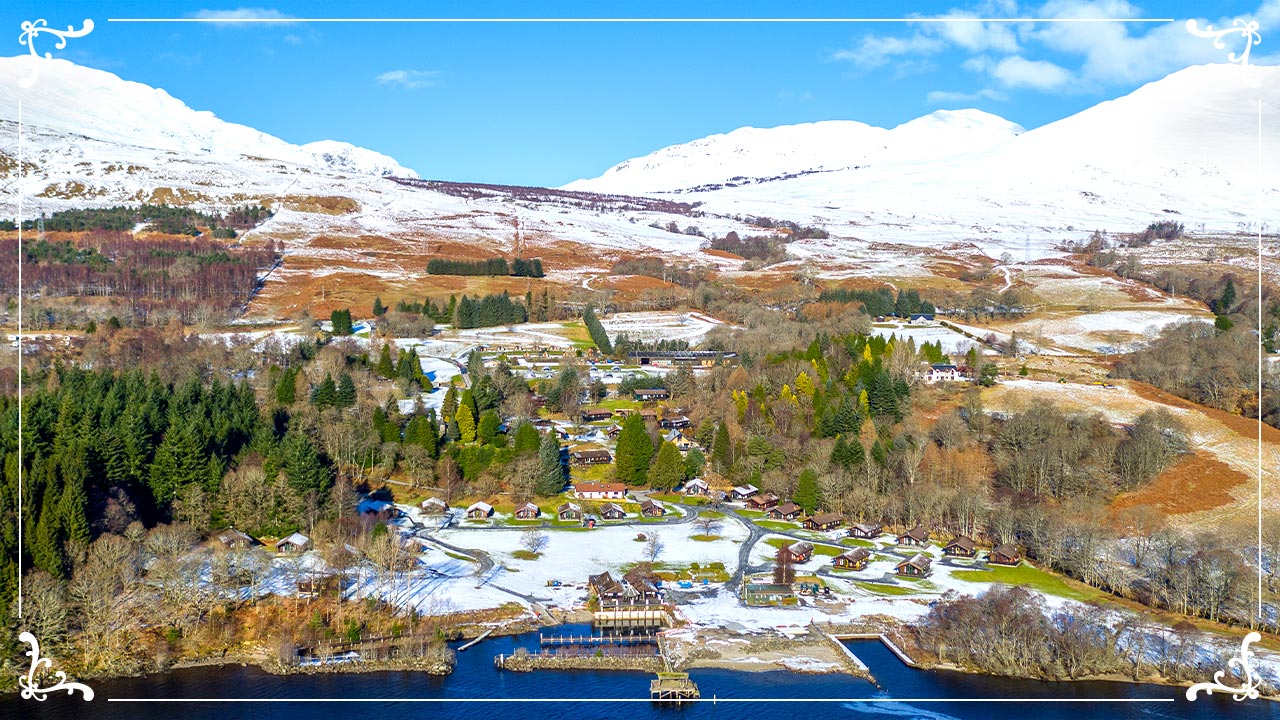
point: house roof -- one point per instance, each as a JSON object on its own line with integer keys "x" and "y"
{"x": 481, "y": 505}
{"x": 294, "y": 539}
{"x": 600, "y": 487}
{"x": 746, "y": 489}
{"x": 607, "y": 507}
{"x": 604, "y": 584}
{"x": 917, "y": 533}
{"x": 787, "y": 508}
{"x": 800, "y": 548}
{"x": 564, "y": 507}
{"x": 826, "y": 517}
{"x": 1006, "y": 550}
{"x": 962, "y": 542}
{"x": 529, "y": 506}
{"x": 919, "y": 560}
{"x": 435, "y": 501}
{"x": 696, "y": 482}
{"x": 855, "y": 555}
{"x": 869, "y": 527}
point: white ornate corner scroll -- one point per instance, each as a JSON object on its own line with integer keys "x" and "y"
{"x": 1247, "y": 29}
{"x": 1249, "y": 684}
{"x": 30, "y": 684}
{"x": 31, "y": 30}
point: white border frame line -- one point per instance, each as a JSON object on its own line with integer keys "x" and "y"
{"x": 840, "y": 21}
{"x": 238, "y": 21}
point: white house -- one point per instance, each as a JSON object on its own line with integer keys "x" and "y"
{"x": 942, "y": 372}
{"x": 480, "y": 510}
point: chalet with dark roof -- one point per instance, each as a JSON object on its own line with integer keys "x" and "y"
{"x": 763, "y": 502}
{"x": 1004, "y": 554}
{"x": 612, "y": 511}
{"x": 855, "y": 559}
{"x": 960, "y": 546}
{"x": 916, "y": 537}
{"x": 528, "y": 511}
{"x": 823, "y": 521}
{"x": 800, "y": 551}
{"x": 918, "y": 565}
{"x": 785, "y": 511}
{"x": 866, "y": 531}
{"x": 649, "y": 508}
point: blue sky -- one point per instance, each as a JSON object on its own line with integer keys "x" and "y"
{"x": 544, "y": 104}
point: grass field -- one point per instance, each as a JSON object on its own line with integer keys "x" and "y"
{"x": 828, "y": 550}
{"x": 1026, "y": 576}
{"x": 856, "y": 542}
{"x": 777, "y": 525}
{"x": 882, "y": 589}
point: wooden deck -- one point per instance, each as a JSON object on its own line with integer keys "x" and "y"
{"x": 673, "y": 687}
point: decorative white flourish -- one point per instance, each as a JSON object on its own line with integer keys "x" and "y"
{"x": 1249, "y": 685}
{"x": 31, "y": 685}
{"x": 31, "y": 30}
{"x": 1247, "y": 29}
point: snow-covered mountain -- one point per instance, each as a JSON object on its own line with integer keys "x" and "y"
{"x": 80, "y": 101}
{"x": 1184, "y": 147}
{"x": 755, "y": 154}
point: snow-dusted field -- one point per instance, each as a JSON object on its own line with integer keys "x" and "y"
{"x": 953, "y": 343}
{"x": 1109, "y": 331}
{"x": 654, "y": 326}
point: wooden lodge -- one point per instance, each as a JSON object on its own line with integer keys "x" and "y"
{"x": 785, "y": 511}
{"x": 673, "y": 422}
{"x": 528, "y": 511}
{"x": 823, "y": 521}
{"x": 649, "y": 508}
{"x": 434, "y": 506}
{"x": 296, "y": 542}
{"x": 866, "y": 531}
{"x": 642, "y": 584}
{"x": 696, "y": 487}
{"x": 855, "y": 559}
{"x": 569, "y": 511}
{"x": 917, "y": 536}
{"x": 743, "y": 492}
{"x": 1004, "y": 554}
{"x": 612, "y": 511}
{"x": 311, "y": 587}
{"x": 917, "y": 565}
{"x": 960, "y": 546}
{"x": 600, "y": 491}
{"x": 479, "y": 510}
{"x": 591, "y": 457}
{"x": 800, "y": 551}
{"x": 234, "y": 538}
{"x": 649, "y": 415}
{"x": 763, "y": 502}
{"x": 644, "y": 394}
{"x": 595, "y": 414}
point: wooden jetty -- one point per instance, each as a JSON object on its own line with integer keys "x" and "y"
{"x": 483, "y": 635}
{"x": 673, "y": 687}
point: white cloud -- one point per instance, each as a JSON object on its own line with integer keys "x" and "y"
{"x": 937, "y": 97}
{"x": 241, "y": 16}
{"x": 409, "y": 79}
{"x": 875, "y": 51}
{"x": 977, "y": 36}
{"x": 1016, "y": 71}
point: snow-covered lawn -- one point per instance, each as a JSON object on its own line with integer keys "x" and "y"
{"x": 653, "y": 326}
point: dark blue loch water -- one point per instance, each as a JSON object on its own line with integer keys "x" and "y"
{"x": 476, "y": 678}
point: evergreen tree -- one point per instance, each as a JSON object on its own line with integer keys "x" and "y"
{"x": 303, "y": 467}
{"x": 468, "y": 400}
{"x": 378, "y": 309}
{"x": 634, "y": 451}
{"x": 286, "y": 390}
{"x": 551, "y": 470}
{"x": 1227, "y": 301}
{"x": 384, "y": 367}
{"x": 341, "y": 320}
{"x": 720, "y": 451}
{"x": 346, "y": 395}
{"x": 326, "y": 393}
{"x": 807, "y": 494}
{"x": 667, "y": 469}
{"x": 527, "y": 439}
{"x": 694, "y": 461}
{"x": 450, "y": 405}
{"x": 466, "y": 424}
{"x": 487, "y": 428}
{"x": 596, "y": 330}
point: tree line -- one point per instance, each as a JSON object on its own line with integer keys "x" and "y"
{"x": 158, "y": 218}
{"x": 519, "y": 267}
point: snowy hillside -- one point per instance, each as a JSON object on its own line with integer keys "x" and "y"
{"x": 754, "y": 154}
{"x": 80, "y": 101}
{"x": 1184, "y": 147}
